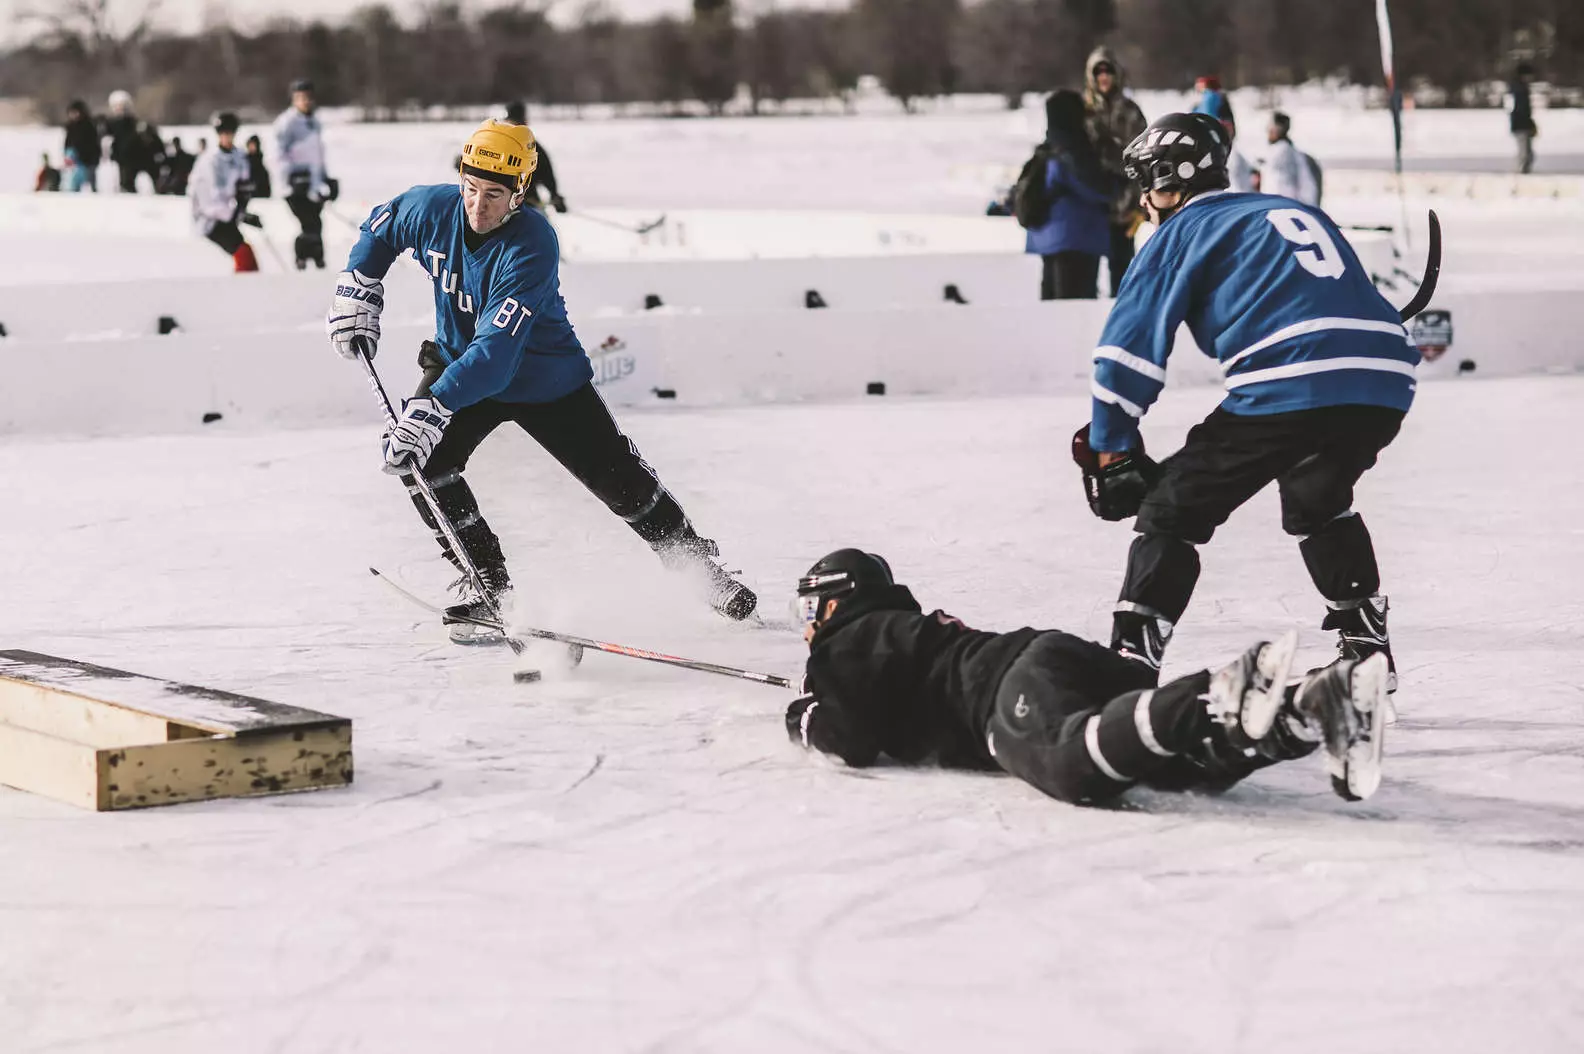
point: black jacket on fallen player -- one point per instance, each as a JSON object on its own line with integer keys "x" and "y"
{"x": 888, "y": 679}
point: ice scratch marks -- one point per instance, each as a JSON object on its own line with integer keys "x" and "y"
{"x": 599, "y": 760}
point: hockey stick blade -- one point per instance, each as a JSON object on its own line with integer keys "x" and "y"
{"x": 1432, "y": 272}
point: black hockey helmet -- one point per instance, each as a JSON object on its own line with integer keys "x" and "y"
{"x": 226, "y": 121}
{"x": 839, "y": 574}
{"x": 1180, "y": 151}
{"x": 301, "y": 84}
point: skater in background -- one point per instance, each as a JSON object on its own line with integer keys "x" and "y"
{"x": 300, "y": 163}
{"x": 82, "y": 151}
{"x": 1520, "y": 116}
{"x": 1287, "y": 171}
{"x": 48, "y": 177}
{"x": 1076, "y": 201}
{"x": 219, "y": 194}
{"x": 1114, "y": 121}
{"x": 544, "y": 178}
{"x": 1319, "y": 375}
{"x": 503, "y": 351}
{"x": 258, "y": 171}
{"x": 135, "y": 144}
{"x": 1066, "y": 715}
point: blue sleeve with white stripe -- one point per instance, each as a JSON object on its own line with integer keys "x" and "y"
{"x": 1130, "y": 363}
{"x": 382, "y": 238}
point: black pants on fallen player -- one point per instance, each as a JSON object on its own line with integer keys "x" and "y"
{"x": 1083, "y": 724}
{"x": 579, "y": 432}
{"x": 1315, "y": 457}
{"x": 309, "y": 245}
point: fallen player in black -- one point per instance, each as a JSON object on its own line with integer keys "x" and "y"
{"x": 1067, "y": 715}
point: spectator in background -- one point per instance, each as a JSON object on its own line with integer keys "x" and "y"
{"x": 1114, "y": 121}
{"x": 1077, "y": 233}
{"x": 544, "y": 174}
{"x": 258, "y": 171}
{"x": 135, "y": 145}
{"x": 48, "y": 178}
{"x": 1214, "y": 101}
{"x": 83, "y": 152}
{"x": 1520, "y": 112}
{"x": 178, "y": 169}
{"x": 1287, "y": 171}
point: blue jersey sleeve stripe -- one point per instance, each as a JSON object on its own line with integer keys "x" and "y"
{"x": 1315, "y": 325}
{"x": 1138, "y": 364}
{"x": 1301, "y": 369}
{"x": 1106, "y": 395}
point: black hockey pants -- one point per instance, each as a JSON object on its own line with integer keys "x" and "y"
{"x": 309, "y": 245}
{"x": 1314, "y": 456}
{"x": 1083, "y": 724}
{"x": 578, "y": 431}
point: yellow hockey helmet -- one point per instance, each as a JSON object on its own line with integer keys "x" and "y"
{"x": 504, "y": 153}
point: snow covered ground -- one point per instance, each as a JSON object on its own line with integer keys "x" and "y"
{"x": 632, "y": 858}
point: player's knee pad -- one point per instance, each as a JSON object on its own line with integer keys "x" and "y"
{"x": 1340, "y": 557}
{"x": 1165, "y": 517}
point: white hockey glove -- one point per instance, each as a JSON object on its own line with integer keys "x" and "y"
{"x": 418, "y": 431}
{"x": 355, "y": 313}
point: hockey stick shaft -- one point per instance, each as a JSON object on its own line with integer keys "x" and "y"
{"x": 635, "y": 653}
{"x": 1432, "y": 272}
{"x": 643, "y": 228}
{"x": 447, "y": 529}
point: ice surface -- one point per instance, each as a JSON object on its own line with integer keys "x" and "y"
{"x": 630, "y": 858}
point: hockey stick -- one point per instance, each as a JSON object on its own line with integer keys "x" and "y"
{"x": 641, "y": 229}
{"x": 464, "y": 560}
{"x": 586, "y": 643}
{"x": 269, "y": 243}
{"x": 1432, "y": 272}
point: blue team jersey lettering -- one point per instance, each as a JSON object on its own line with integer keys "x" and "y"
{"x": 1272, "y": 290}
{"x": 527, "y": 352}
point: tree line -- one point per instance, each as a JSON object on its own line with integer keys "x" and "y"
{"x": 454, "y": 56}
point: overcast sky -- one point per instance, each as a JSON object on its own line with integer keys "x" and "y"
{"x": 188, "y": 14}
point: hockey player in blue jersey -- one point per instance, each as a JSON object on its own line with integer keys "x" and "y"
{"x": 1319, "y": 374}
{"x": 504, "y": 350}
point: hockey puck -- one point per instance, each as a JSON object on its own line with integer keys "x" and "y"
{"x": 526, "y": 676}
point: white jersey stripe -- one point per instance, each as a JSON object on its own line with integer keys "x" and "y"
{"x": 1303, "y": 369}
{"x": 1122, "y": 357}
{"x": 1146, "y": 731}
{"x": 1105, "y": 395}
{"x": 1318, "y": 325}
{"x": 1092, "y": 741}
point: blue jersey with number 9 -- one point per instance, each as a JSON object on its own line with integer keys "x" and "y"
{"x": 500, "y": 321}
{"x": 1272, "y": 291}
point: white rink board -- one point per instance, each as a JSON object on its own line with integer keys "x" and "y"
{"x": 633, "y": 858}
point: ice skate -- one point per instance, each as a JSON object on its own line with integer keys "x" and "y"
{"x": 696, "y": 557}
{"x": 463, "y": 618}
{"x": 1343, "y": 704}
{"x": 1246, "y": 695}
{"x": 1361, "y": 632}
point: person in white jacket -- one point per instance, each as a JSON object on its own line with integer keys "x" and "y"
{"x": 299, "y": 157}
{"x": 1286, "y": 171}
{"x": 218, "y": 190}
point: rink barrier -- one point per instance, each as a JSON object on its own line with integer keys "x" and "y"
{"x": 1347, "y": 183}
{"x": 294, "y": 379}
{"x": 106, "y": 739}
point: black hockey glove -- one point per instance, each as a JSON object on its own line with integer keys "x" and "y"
{"x": 251, "y": 220}
{"x": 332, "y": 189}
{"x": 830, "y": 729}
{"x": 1116, "y": 491}
{"x": 558, "y": 203}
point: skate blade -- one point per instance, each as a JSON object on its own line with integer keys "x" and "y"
{"x": 1356, "y": 775}
{"x": 1275, "y": 663}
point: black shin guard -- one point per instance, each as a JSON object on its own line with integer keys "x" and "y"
{"x": 461, "y": 508}
{"x": 1341, "y": 559}
{"x": 658, "y": 520}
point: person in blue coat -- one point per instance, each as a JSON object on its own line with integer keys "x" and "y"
{"x": 1077, "y": 233}
{"x": 504, "y": 350}
{"x": 1319, "y": 375}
